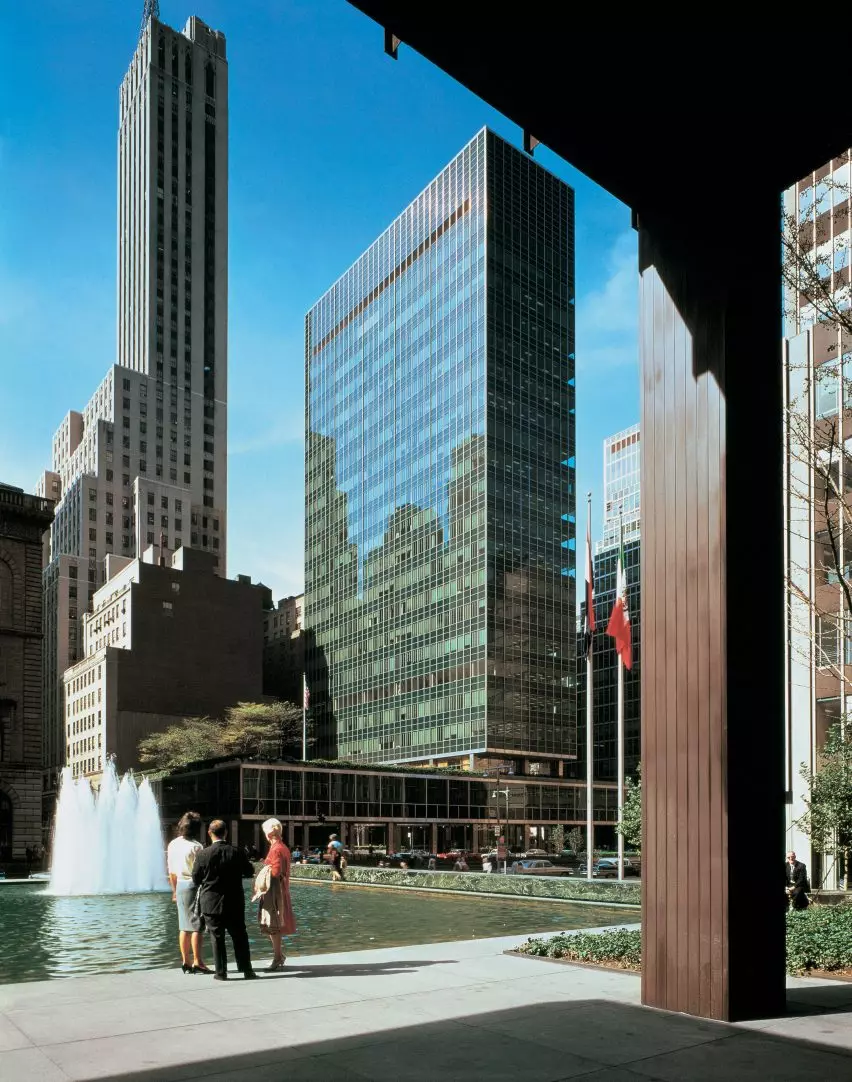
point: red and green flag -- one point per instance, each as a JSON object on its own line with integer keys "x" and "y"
{"x": 619, "y": 620}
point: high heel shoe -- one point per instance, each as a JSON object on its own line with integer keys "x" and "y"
{"x": 201, "y": 969}
{"x": 186, "y": 968}
{"x": 276, "y": 966}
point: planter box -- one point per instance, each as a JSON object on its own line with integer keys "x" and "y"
{"x": 572, "y": 962}
{"x": 543, "y": 888}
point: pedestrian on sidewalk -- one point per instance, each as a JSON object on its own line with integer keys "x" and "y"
{"x": 272, "y": 893}
{"x": 218, "y": 873}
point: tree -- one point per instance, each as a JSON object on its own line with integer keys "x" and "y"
{"x": 575, "y": 839}
{"x": 262, "y": 730}
{"x": 248, "y": 730}
{"x": 630, "y": 826}
{"x": 187, "y": 742}
{"x": 828, "y": 819}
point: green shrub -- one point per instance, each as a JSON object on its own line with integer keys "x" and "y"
{"x": 616, "y": 946}
{"x": 563, "y": 889}
{"x": 819, "y": 937}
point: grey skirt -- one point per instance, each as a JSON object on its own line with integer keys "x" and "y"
{"x": 188, "y": 921}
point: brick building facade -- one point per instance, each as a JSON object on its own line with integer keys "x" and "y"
{"x": 23, "y": 521}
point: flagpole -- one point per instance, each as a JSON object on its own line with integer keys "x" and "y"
{"x": 304, "y": 719}
{"x": 590, "y": 744}
{"x": 623, "y": 571}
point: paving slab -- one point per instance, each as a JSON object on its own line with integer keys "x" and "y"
{"x": 11, "y": 1037}
{"x": 747, "y": 1057}
{"x": 29, "y": 1064}
{"x": 74, "y": 1022}
{"x": 448, "y": 1010}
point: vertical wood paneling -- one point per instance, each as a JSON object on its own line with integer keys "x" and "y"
{"x": 713, "y": 803}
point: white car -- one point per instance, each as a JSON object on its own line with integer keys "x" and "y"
{"x": 535, "y": 853}
{"x": 535, "y": 867}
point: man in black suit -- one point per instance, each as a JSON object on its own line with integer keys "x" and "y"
{"x": 218, "y": 872}
{"x": 797, "y": 882}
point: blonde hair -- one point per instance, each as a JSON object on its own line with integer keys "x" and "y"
{"x": 272, "y": 825}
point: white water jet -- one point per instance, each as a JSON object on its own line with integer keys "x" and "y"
{"x": 110, "y": 842}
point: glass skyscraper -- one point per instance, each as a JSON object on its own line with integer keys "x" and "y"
{"x": 439, "y": 470}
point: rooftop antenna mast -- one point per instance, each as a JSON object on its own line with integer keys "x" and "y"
{"x": 150, "y": 10}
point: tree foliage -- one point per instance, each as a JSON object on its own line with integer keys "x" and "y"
{"x": 828, "y": 819}
{"x": 630, "y": 827}
{"x": 251, "y": 730}
{"x": 262, "y": 730}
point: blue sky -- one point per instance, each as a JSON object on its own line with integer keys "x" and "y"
{"x": 329, "y": 140}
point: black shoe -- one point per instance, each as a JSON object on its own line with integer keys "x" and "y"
{"x": 220, "y": 976}
{"x": 201, "y": 969}
{"x": 250, "y": 975}
{"x": 186, "y": 968}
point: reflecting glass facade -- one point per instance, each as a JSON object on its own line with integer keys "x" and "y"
{"x": 621, "y": 486}
{"x": 304, "y": 793}
{"x": 440, "y": 546}
{"x": 605, "y": 720}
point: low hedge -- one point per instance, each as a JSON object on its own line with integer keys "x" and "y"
{"x": 562, "y": 888}
{"x": 818, "y": 938}
{"x": 620, "y": 947}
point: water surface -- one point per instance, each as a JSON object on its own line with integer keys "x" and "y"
{"x": 44, "y": 936}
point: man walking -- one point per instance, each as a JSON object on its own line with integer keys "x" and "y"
{"x": 334, "y": 852}
{"x": 218, "y": 872}
{"x": 797, "y": 882}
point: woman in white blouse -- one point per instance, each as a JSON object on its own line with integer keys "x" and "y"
{"x": 181, "y": 855}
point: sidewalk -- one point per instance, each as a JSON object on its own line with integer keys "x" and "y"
{"x": 442, "y": 1011}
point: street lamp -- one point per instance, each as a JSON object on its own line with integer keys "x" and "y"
{"x": 495, "y": 796}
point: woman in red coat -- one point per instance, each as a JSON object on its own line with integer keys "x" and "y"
{"x": 275, "y": 910}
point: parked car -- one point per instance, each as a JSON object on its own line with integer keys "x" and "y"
{"x": 533, "y": 853}
{"x": 534, "y": 867}
{"x": 601, "y": 869}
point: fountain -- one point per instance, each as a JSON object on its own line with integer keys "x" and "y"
{"x": 110, "y": 842}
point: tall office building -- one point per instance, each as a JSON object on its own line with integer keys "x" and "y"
{"x": 145, "y": 463}
{"x": 818, "y": 392}
{"x": 621, "y": 463}
{"x": 440, "y": 484}
{"x": 621, "y": 500}
{"x": 23, "y": 521}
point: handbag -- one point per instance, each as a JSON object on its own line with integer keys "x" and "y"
{"x": 262, "y": 883}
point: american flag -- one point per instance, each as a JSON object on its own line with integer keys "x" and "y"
{"x": 306, "y": 697}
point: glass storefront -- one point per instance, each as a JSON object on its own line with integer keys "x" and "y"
{"x": 462, "y": 808}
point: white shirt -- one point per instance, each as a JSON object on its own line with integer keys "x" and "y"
{"x": 181, "y": 855}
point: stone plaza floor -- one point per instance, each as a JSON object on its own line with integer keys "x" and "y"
{"x": 443, "y": 1011}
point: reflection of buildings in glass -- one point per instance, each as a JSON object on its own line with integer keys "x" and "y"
{"x": 621, "y": 457}
{"x": 439, "y": 473}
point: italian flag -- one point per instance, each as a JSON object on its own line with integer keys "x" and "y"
{"x": 619, "y": 621}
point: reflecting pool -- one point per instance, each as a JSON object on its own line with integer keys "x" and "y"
{"x": 44, "y": 936}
